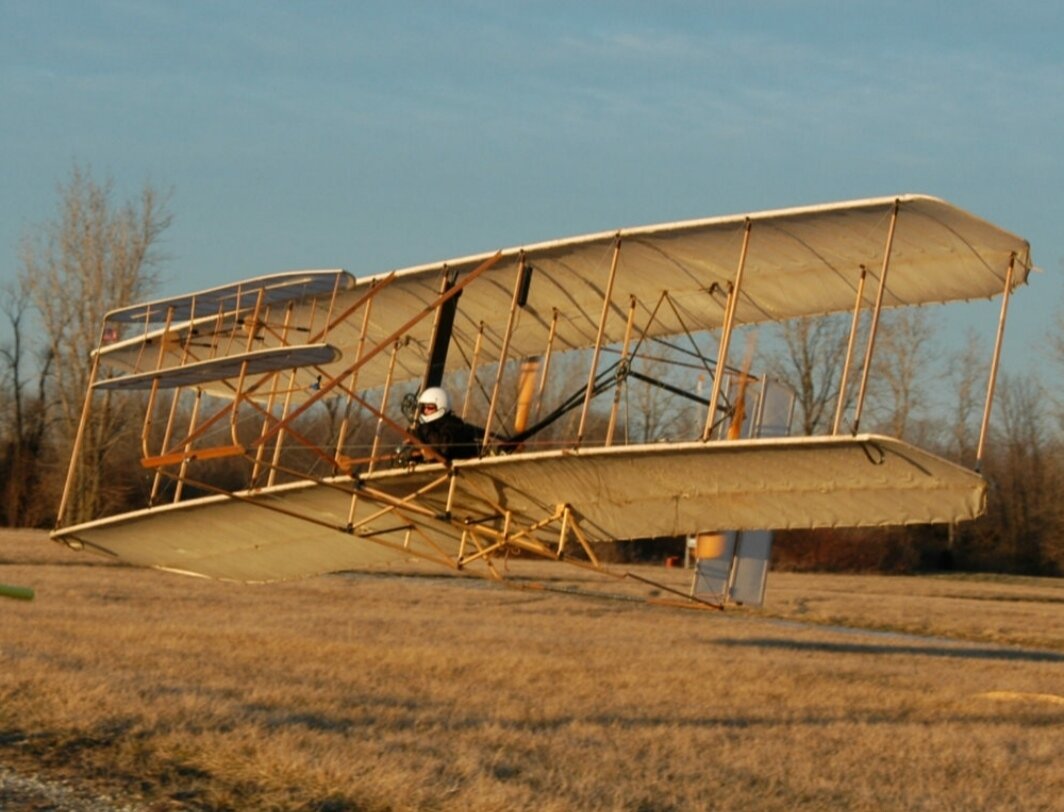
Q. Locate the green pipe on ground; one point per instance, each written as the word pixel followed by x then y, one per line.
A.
pixel 21 593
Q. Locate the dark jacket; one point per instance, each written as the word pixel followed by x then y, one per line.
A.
pixel 451 436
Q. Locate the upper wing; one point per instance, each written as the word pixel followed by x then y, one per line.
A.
pixel 801 261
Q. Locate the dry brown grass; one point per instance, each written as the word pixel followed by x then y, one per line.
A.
pixel 375 692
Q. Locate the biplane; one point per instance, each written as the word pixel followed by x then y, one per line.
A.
pixel 279 412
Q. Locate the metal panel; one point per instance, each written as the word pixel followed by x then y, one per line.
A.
pixel 713 569
pixel 751 567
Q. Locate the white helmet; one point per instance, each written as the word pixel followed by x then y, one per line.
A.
pixel 433 404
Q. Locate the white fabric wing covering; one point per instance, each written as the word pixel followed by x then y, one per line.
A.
pixel 800 262
pixel 614 493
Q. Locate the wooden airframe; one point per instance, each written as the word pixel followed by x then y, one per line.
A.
pixel 262 376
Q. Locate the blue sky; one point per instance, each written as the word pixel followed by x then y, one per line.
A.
pixel 371 136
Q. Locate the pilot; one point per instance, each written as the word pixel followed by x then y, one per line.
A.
pixel 437 426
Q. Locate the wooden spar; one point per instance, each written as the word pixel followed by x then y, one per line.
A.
pixel 876 311
pixel 845 375
pixel 725 337
pixel 620 378
pixel 381 346
pixel 503 351
pixel 992 380
pixel 606 297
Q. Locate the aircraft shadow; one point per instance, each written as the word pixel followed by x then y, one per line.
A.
pixel 958 652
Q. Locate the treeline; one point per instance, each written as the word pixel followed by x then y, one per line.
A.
pixel 96 255
pixel 934 397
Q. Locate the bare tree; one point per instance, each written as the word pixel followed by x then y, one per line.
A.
pixel 1023 510
pixel 966 379
pixel 810 362
pixel 902 368
pixel 94 256
pixel 24 419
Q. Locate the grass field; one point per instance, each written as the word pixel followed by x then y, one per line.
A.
pixel 376 692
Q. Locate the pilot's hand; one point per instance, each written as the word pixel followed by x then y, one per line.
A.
pixel 408 455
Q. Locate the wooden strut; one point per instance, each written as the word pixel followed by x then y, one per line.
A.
pixel 286 405
pixel 384 404
pixel 79 437
pixel 381 346
pixel 876 311
pixel 503 352
pixel 474 362
pixel 244 368
pixel 427 450
pixel 725 338
pixel 375 289
pixel 393 504
pixel 186 353
pixel 192 418
pixel 272 398
pixel 444 559
pixel 606 297
pixel 841 405
pixel 353 384
pixel 992 380
pixel 506 538
pixel 149 410
pixel 615 407
pixel 545 369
